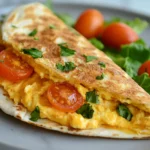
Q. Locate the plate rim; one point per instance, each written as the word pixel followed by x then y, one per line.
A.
pixel 111 8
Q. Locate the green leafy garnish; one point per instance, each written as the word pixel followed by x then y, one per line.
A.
pixel 86 111
pixel 33 33
pixel 102 64
pixel 100 77
pixel 36 38
pixel 65 51
pixel 67 67
pixel 92 97
pixel 48 3
pixel 1 61
pixel 97 43
pixel 35 53
pixel 89 58
pixel 137 24
pixel 136 51
pixel 66 18
pixel 35 115
pixel 13 26
pixel 144 81
pixel 124 112
pixel 129 59
pixel 52 26
pixel 74 31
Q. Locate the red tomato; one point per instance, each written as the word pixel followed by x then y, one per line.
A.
pixel 12 68
pixel 64 97
pixel 117 34
pixel 145 67
pixel 90 23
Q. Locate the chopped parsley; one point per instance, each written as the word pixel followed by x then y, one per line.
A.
pixel 92 97
pixel 65 51
pixel 100 77
pixel 86 111
pixel 13 26
pixel 89 58
pixel 124 112
pixel 102 64
pixel 36 38
pixel 35 115
pixel 33 33
pixel 67 67
pixel 35 53
pixel 52 26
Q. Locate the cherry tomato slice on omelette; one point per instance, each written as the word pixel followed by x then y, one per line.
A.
pixel 117 34
pixel 90 23
pixel 12 68
pixel 145 67
pixel 64 97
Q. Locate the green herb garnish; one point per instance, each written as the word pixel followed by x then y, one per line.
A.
pixel 65 51
pixel 89 58
pixel 52 26
pixel 33 33
pixel 92 97
pixel 86 111
pixel 66 18
pixel 35 53
pixel 97 43
pixel 67 67
pixel 144 81
pixel 13 26
pixel 100 77
pixel 36 38
pixel 102 64
pixel 124 112
pixel 35 115
pixel 48 3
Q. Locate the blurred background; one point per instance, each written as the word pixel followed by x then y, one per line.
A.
pixel 142 6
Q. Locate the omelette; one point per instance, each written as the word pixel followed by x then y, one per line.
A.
pixel 53 77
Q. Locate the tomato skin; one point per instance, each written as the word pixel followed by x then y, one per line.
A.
pixel 145 67
pixel 117 34
pixel 90 23
pixel 64 97
pixel 12 68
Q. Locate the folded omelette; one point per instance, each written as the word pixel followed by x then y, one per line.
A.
pixel 72 86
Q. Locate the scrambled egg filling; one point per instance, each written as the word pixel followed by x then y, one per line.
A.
pixel 31 92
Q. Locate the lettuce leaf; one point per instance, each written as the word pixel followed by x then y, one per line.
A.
pixel 136 24
pixel 48 3
pixel 136 51
pixel 131 56
pixel 144 81
pixel 129 65
pixel 66 18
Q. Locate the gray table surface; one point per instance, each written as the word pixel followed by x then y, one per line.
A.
pixel 141 6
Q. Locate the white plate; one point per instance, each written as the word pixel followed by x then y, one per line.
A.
pixel 15 134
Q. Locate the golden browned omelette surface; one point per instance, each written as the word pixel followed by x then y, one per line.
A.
pixel 116 85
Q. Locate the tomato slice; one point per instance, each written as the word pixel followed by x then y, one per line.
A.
pixel 64 97
pixel 12 68
pixel 145 67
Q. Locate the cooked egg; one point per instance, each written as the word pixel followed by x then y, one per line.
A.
pixel 32 92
